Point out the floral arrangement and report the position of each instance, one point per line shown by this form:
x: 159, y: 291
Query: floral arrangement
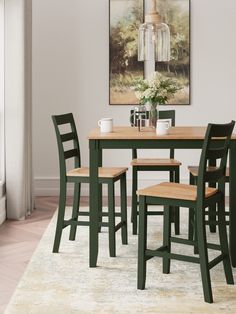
x: 156, y: 90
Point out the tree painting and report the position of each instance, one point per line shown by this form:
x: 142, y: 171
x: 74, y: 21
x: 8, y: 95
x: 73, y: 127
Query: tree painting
x: 125, y: 18
x: 176, y: 14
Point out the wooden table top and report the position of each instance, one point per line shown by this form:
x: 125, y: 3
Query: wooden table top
x: 132, y: 133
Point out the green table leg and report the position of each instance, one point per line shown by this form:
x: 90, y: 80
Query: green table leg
x: 232, y: 203
x: 93, y: 202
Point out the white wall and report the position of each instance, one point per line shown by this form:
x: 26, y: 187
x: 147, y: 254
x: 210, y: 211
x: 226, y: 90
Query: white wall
x: 2, y: 96
x: 70, y: 74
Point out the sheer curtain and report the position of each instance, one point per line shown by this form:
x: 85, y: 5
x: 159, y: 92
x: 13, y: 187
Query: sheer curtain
x: 18, y: 108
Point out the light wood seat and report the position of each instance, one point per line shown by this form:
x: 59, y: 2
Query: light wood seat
x: 103, y: 172
x: 155, y: 162
x: 175, y: 191
x: 194, y: 170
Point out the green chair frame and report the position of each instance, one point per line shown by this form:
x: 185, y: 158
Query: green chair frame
x: 209, y: 151
x: 64, y: 155
x: 174, y: 174
x: 212, y: 212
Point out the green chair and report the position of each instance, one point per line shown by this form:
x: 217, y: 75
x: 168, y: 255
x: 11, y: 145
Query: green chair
x: 198, y: 198
x: 68, y: 148
x: 155, y: 164
x: 193, y: 177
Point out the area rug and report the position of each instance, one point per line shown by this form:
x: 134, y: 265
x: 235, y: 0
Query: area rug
x: 64, y: 283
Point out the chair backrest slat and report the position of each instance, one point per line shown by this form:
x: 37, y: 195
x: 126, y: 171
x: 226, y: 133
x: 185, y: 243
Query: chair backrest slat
x: 214, y: 175
x: 163, y: 114
x: 70, y: 136
x: 70, y: 153
x: 215, y: 153
x: 220, y: 135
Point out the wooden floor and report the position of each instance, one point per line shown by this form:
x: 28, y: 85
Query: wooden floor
x: 18, y: 240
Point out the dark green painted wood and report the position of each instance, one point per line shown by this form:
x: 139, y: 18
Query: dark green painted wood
x: 123, y: 200
x: 173, y: 172
x: 142, y: 243
x: 166, y: 238
x: 111, y: 220
x: 232, y: 202
x: 95, y: 222
x: 200, y: 240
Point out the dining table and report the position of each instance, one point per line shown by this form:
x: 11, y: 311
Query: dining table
x: 126, y: 137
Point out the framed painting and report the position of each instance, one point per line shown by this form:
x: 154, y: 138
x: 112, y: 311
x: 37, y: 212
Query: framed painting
x: 176, y: 14
x: 125, y: 19
x: 125, y: 16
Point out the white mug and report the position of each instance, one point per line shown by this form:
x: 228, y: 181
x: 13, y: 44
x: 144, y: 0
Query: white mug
x: 162, y: 127
x: 106, y: 125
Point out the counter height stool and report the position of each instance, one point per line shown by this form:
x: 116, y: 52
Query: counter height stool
x: 170, y: 165
x: 68, y: 148
x: 200, y: 197
x: 193, y: 177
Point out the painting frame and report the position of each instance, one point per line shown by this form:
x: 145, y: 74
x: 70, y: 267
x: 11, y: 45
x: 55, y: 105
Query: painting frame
x: 174, y: 11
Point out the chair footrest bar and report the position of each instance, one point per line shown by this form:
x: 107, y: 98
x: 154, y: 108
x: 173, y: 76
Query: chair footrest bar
x: 179, y: 257
x: 213, y: 246
x: 160, y: 249
x: 105, y: 214
x: 156, y: 213
x: 182, y: 241
x: 103, y: 224
x: 217, y: 260
x: 215, y: 223
x: 215, y: 213
x: 71, y: 222
x: 83, y: 213
x: 119, y: 225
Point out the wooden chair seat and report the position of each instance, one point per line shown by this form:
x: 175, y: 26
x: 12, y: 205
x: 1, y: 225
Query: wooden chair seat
x: 104, y: 172
x: 173, y: 190
x: 155, y: 162
x: 194, y: 170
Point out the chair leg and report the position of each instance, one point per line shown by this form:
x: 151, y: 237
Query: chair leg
x: 166, y: 238
x: 60, y: 217
x: 212, y: 215
x: 224, y: 242
x: 100, y: 207
x: 134, y: 200
x: 111, y: 219
x: 75, y: 210
x: 123, y: 206
x: 203, y: 255
x: 191, y: 214
x: 142, y: 243
x: 176, y: 208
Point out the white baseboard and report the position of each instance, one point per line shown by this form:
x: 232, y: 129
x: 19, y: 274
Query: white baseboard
x: 2, y: 202
x: 2, y: 209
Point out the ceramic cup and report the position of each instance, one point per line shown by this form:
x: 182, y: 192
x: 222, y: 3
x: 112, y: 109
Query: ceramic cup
x: 162, y: 127
x: 106, y: 125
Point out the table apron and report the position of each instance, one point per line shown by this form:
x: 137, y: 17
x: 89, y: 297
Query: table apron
x: 148, y: 144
